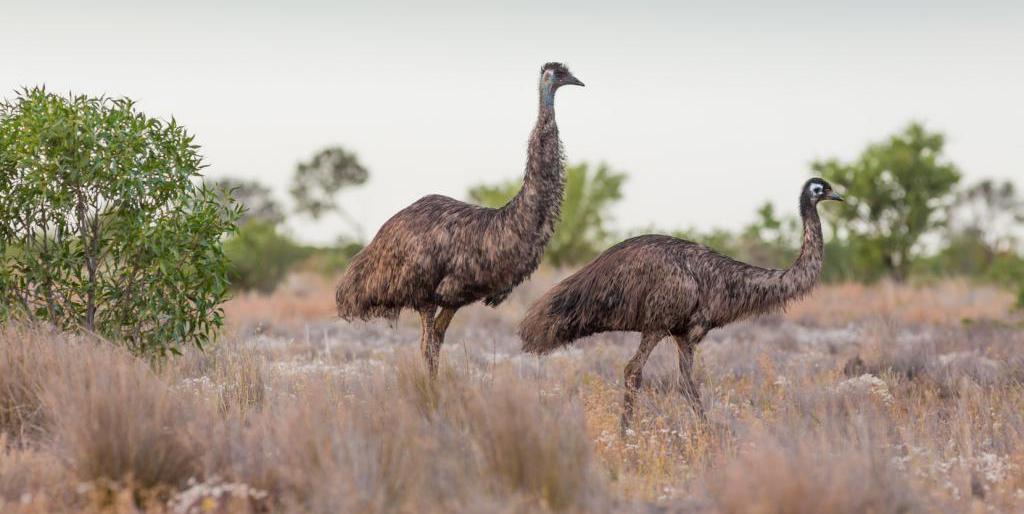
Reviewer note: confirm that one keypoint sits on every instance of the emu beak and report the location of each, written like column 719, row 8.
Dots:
column 574, row 81
column 835, row 196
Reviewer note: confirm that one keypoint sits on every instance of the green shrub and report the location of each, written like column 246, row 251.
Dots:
column 260, row 257
column 102, row 224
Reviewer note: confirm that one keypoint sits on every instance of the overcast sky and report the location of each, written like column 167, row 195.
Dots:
column 712, row 107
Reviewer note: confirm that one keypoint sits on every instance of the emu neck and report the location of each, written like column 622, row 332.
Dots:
column 801, row 277
column 535, row 209
column 547, row 96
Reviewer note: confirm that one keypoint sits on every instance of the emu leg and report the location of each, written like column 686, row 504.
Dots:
column 634, row 376
column 687, row 386
column 441, row 321
column 444, row 317
column 427, row 335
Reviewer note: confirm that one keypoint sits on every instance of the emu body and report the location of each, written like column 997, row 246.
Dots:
column 440, row 253
column 662, row 286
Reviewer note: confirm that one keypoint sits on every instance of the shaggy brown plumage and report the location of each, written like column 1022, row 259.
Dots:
column 440, row 252
column 662, row 286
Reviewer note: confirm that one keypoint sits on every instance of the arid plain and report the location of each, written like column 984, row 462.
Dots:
column 881, row 398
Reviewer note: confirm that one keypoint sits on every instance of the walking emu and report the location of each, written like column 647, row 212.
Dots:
column 662, row 286
column 443, row 253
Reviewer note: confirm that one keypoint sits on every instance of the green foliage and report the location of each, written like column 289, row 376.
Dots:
column 260, row 257
column 581, row 232
column 852, row 260
column 317, row 182
column 896, row 191
column 102, row 224
column 257, row 202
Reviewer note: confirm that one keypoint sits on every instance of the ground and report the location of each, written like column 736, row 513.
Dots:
column 880, row 398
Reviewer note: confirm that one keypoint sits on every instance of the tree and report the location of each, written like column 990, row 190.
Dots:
column 317, row 182
column 258, row 204
column 992, row 211
column 897, row 191
column 103, row 225
column 581, row 232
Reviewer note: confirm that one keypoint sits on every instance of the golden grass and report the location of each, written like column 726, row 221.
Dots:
column 949, row 302
column 860, row 399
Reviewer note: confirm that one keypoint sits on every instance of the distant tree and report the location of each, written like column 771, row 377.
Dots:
column 581, row 232
column 991, row 210
column 317, row 182
column 897, row 191
column 104, row 224
column 981, row 238
column 256, row 200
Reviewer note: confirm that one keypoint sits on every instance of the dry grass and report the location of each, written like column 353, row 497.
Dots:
column 944, row 303
column 861, row 399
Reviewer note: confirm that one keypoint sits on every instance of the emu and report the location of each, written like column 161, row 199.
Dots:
column 440, row 253
column 663, row 286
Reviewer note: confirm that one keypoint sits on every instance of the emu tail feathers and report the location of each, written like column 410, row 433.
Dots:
column 357, row 296
column 554, row 321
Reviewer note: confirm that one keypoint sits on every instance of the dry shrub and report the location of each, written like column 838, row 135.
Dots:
column 536, row 448
column 23, row 471
column 395, row 443
column 363, row 454
column 231, row 376
column 113, row 419
column 810, row 474
column 415, row 385
column 241, row 376
column 27, row 357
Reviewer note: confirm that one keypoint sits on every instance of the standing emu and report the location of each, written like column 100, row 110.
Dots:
column 443, row 253
column 662, row 286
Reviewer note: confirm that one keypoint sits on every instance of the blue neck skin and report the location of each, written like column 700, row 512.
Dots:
column 547, row 94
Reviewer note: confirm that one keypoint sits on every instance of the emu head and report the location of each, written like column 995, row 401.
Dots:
column 816, row 190
column 554, row 75
column 557, row 75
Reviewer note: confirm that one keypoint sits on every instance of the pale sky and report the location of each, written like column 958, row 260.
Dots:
column 712, row 107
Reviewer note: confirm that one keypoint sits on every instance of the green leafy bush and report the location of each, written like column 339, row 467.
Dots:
column 260, row 257
column 103, row 226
